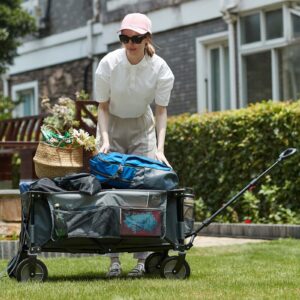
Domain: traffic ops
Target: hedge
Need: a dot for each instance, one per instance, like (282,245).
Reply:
(218,153)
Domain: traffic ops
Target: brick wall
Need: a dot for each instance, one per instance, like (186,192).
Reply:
(60,80)
(69,14)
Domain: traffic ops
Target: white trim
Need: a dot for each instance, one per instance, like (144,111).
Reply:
(263,27)
(232,65)
(275,75)
(250,49)
(250,5)
(222,78)
(21,87)
(59,39)
(202,68)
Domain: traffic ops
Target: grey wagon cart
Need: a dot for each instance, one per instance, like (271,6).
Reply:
(112,221)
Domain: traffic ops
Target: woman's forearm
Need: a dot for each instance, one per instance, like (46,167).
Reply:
(161,124)
(103,118)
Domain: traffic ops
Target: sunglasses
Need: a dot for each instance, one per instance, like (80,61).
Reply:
(135,39)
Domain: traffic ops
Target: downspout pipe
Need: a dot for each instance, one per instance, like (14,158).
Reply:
(5,79)
(229,16)
(90,44)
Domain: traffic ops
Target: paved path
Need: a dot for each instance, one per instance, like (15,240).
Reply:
(208,241)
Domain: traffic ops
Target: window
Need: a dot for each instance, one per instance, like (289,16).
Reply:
(250,29)
(274,24)
(28,94)
(261,26)
(213,72)
(258,75)
(290,72)
(296,25)
(218,79)
(262,36)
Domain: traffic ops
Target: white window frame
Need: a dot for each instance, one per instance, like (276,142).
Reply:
(264,45)
(17,88)
(203,44)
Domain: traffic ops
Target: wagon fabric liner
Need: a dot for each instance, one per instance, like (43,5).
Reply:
(112,220)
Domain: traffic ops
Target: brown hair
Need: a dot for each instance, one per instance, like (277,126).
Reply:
(149,47)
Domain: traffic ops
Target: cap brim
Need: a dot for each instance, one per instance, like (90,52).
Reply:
(138,30)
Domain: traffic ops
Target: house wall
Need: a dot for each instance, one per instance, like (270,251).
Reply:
(177,47)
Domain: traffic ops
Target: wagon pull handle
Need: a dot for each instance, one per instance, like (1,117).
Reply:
(288,152)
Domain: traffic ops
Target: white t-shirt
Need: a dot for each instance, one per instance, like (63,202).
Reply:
(131,88)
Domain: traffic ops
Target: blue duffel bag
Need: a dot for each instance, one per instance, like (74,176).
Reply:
(132,172)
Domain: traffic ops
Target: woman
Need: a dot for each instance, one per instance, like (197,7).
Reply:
(127,82)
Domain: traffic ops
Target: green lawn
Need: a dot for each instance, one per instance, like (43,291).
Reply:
(269,270)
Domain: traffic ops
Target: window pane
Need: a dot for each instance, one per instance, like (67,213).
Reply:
(274,24)
(296,25)
(258,77)
(27,98)
(290,72)
(250,29)
(215,79)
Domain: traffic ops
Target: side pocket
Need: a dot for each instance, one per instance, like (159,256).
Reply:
(142,222)
(94,223)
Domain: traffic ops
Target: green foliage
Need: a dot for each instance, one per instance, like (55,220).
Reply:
(6,107)
(219,153)
(62,114)
(15,23)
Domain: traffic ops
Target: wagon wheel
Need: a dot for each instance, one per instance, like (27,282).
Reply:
(31,269)
(168,265)
(13,263)
(153,263)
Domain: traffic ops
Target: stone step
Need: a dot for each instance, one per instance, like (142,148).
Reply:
(255,231)
(9,229)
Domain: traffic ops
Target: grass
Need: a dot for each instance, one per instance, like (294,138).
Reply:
(268,270)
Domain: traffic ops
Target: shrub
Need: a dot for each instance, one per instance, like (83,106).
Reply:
(217,154)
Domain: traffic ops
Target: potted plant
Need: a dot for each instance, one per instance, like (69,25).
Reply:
(61,151)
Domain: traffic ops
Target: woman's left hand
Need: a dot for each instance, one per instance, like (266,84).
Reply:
(161,157)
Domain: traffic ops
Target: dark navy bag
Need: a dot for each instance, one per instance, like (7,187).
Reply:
(132,172)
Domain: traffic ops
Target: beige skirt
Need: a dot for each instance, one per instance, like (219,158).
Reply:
(131,135)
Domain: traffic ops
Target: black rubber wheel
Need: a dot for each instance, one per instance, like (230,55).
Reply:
(24,270)
(168,265)
(153,263)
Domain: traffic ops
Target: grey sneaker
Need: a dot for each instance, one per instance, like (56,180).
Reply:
(114,271)
(137,271)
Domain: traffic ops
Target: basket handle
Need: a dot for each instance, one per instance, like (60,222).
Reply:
(52,128)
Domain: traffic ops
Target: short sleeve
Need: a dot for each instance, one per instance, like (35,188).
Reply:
(102,81)
(164,85)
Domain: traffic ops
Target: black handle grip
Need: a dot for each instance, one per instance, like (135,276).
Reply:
(288,152)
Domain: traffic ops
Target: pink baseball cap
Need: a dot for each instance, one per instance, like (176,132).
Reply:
(137,22)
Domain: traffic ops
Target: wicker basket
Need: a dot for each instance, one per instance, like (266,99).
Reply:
(51,161)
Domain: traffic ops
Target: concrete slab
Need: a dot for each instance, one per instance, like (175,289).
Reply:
(208,241)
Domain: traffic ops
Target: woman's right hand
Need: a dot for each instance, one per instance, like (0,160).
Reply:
(105,147)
